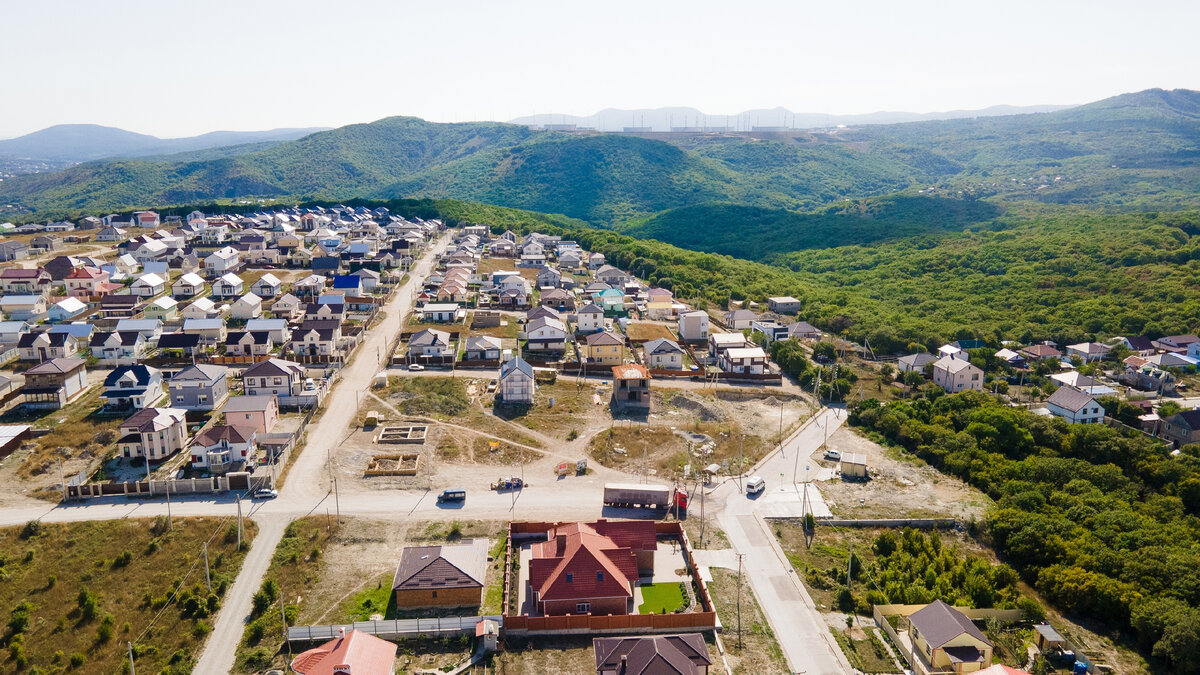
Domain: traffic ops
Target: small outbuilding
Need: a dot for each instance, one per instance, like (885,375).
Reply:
(854,465)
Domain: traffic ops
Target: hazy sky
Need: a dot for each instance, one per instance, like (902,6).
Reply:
(176,67)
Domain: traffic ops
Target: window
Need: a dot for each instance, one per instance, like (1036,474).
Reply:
(570,577)
(583,607)
(599,576)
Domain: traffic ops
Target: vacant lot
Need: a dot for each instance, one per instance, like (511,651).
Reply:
(573,409)
(758,651)
(328,574)
(74,594)
(645,332)
(665,451)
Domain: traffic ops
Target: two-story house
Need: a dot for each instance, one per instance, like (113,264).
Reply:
(605,348)
(955,375)
(517,383)
(132,387)
(664,354)
(747,360)
(45,346)
(153,433)
(546,334)
(199,387)
(118,348)
(55,383)
(1075,406)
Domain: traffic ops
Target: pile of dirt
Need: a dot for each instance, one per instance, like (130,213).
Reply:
(706,411)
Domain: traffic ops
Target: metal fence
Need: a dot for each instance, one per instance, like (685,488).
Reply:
(395,628)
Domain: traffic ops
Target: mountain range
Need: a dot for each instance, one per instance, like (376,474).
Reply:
(1101,154)
(75,143)
(665,119)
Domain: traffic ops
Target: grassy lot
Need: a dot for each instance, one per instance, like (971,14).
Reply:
(76,593)
(509,330)
(662,598)
(759,651)
(295,565)
(442,398)
(571,407)
(76,433)
(645,332)
(412,325)
(867,653)
(489,265)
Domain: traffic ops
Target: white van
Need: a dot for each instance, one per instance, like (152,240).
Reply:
(755,485)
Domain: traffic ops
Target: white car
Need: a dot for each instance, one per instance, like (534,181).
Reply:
(415,367)
(835,455)
(755,485)
(265,493)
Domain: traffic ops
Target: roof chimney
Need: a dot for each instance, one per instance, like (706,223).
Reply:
(341,669)
(560,542)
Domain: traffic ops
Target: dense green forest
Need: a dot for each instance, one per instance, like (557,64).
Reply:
(1104,524)
(1132,151)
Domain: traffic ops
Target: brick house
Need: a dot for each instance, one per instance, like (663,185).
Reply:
(590,567)
(449,575)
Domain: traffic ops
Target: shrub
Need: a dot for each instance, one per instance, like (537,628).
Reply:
(104,632)
(123,559)
(201,629)
(260,603)
(254,634)
(89,604)
(77,660)
(32,529)
(572,435)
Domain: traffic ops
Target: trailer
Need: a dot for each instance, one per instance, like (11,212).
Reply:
(644,496)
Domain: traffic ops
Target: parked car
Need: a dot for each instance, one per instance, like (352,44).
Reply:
(265,493)
(835,455)
(755,485)
(415,367)
(452,495)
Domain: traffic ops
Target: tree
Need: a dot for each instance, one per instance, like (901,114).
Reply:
(825,351)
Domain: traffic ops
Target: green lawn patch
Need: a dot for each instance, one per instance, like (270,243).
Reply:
(664,598)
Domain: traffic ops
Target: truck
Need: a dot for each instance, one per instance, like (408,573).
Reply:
(645,496)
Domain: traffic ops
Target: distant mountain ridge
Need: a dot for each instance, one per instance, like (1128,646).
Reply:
(664,119)
(87,142)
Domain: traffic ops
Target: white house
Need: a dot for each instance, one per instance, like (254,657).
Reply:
(155,433)
(228,286)
(148,286)
(1075,406)
(516,381)
(589,318)
(200,308)
(278,328)
(65,310)
(664,354)
(444,312)
(247,307)
(222,260)
(188,285)
(429,343)
(267,286)
(957,374)
(1088,351)
(546,334)
(693,326)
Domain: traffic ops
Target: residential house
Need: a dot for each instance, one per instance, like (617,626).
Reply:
(1140,345)
(611,276)
(605,348)
(222,261)
(148,286)
(317,337)
(267,286)
(533,254)
(200,308)
(683,654)
(664,354)
(118,348)
(589,318)
(548,277)
(324,310)
(744,360)
(440,312)
(86,282)
(55,383)
(350,652)
(590,568)
(249,343)
(1011,358)
(220,448)
(45,346)
(132,387)
(482,348)
(558,299)
(11,331)
(611,300)
(739,319)
(595,261)
(13,250)
(1182,428)
(25,281)
(146,251)
(274,376)
(199,387)
(1041,352)
(278,328)
(945,641)
(1088,385)
(46,242)
(546,334)
(429,343)
(31,308)
(111,234)
(211,331)
(287,306)
(66,310)
(1075,406)
(631,388)
(1173,360)
(772,330)
(247,307)
(260,413)
(517,382)
(784,304)
(228,285)
(1141,374)
(693,326)
(539,312)
(153,433)
(146,219)
(1176,343)
(1088,351)
(955,375)
(149,328)
(188,285)
(180,345)
(719,343)
(803,330)
(446,575)
(162,309)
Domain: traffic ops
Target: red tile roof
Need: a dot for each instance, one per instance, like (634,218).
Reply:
(86,273)
(363,652)
(577,561)
(630,371)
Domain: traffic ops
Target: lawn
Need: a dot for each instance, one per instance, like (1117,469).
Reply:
(74,594)
(662,598)
(866,654)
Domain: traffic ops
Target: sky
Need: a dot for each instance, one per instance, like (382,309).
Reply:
(178,68)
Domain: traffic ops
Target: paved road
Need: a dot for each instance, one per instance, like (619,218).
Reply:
(799,627)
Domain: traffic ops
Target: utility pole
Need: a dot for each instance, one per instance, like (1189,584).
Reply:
(337,502)
(739,598)
(63,479)
(149,483)
(170,522)
(132,671)
(741,459)
(782,453)
(207,576)
(239,523)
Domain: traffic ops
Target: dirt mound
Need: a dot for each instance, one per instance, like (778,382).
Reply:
(708,412)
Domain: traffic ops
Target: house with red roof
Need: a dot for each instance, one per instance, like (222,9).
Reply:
(592,568)
(352,653)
